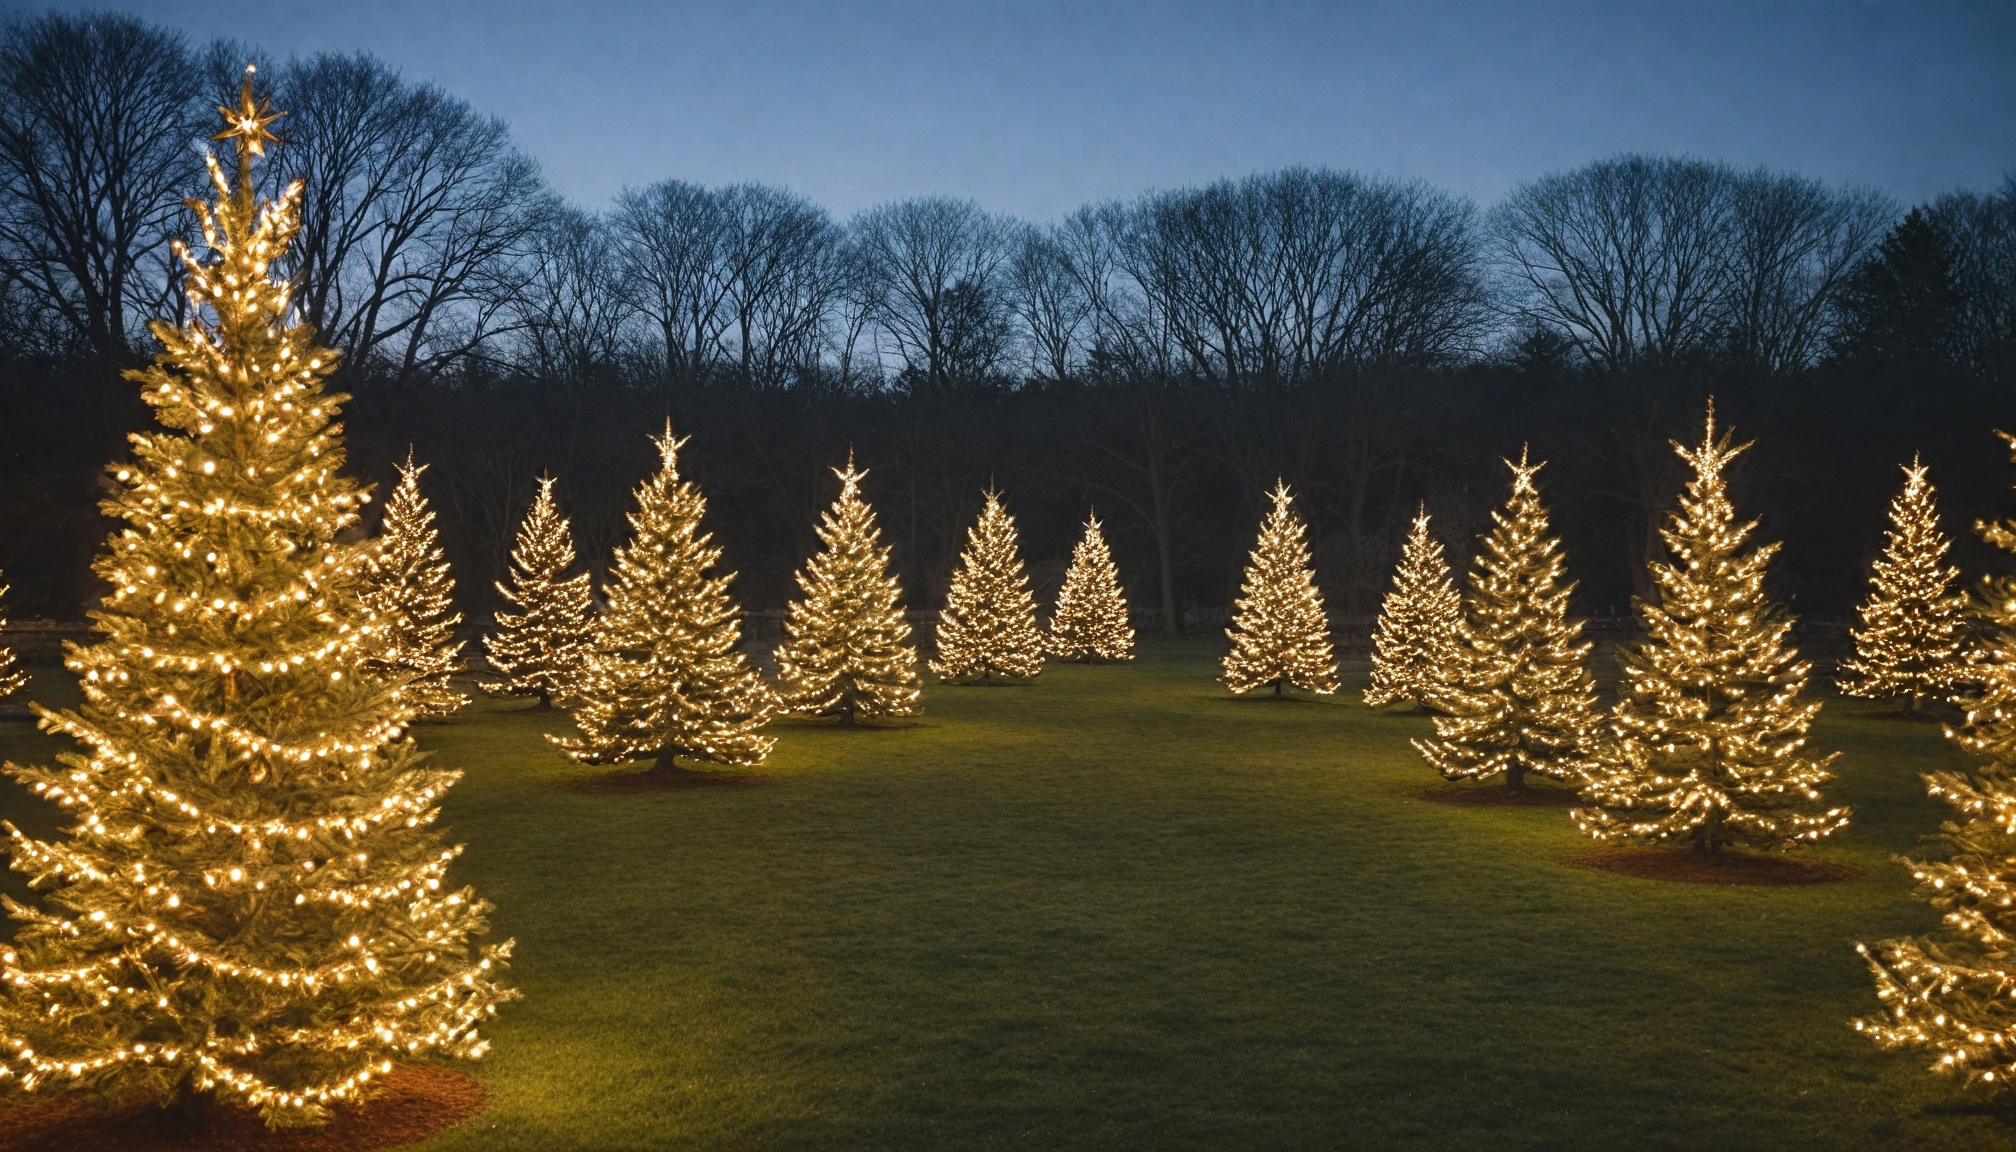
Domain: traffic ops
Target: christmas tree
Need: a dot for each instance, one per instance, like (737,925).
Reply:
(849,652)
(1090,623)
(1914,632)
(1951,992)
(12,677)
(540,648)
(1420,621)
(665,677)
(1280,634)
(412,595)
(988,628)
(1519,698)
(1711,734)
(250,904)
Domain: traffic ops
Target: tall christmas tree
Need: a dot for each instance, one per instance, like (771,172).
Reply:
(1420,622)
(849,652)
(1519,698)
(12,677)
(1711,734)
(412,594)
(987,630)
(250,903)
(666,677)
(539,649)
(1280,634)
(1914,631)
(1951,992)
(1090,623)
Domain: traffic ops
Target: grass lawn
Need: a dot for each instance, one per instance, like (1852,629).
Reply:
(1120,908)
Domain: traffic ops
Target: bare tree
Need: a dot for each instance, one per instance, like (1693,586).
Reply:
(1048,301)
(98,122)
(780,269)
(935,268)
(671,237)
(1982,231)
(1792,245)
(570,313)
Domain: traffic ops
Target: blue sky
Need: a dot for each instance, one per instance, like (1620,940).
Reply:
(1036,108)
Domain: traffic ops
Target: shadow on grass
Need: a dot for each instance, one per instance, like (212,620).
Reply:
(413,1104)
(623,781)
(1499,796)
(814,724)
(2003,1110)
(1737,869)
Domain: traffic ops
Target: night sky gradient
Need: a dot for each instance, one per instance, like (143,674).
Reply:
(1034,109)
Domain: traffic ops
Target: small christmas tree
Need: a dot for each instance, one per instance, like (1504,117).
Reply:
(1519,696)
(412,594)
(539,649)
(1914,632)
(849,652)
(1711,734)
(1951,992)
(1280,634)
(1090,623)
(251,904)
(1420,621)
(13,678)
(666,677)
(988,628)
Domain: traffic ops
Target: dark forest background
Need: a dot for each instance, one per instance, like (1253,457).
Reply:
(1375,341)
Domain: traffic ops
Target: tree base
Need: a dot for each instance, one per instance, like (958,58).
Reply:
(658,778)
(1730,866)
(411,1104)
(1503,796)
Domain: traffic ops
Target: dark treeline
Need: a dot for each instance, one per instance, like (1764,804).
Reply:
(1374,341)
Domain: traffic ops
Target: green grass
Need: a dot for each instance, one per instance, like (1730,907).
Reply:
(1118,908)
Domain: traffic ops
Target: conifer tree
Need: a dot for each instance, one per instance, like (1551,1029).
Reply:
(1914,631)
(250,904)
(987,630)
(666,677)
(1519,698)
(539,649)
(1280,634)
(1711,733)
(1090,623)
(13,678)
(1951,991)
(412,594)
(1420,621)
(848,653)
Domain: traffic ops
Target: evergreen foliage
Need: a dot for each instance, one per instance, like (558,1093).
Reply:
(1414,643)
(539,650)
(1280,634)
(410,591)
(1090,623)
(13,678)
(666,677)
(987,630)
(1913,638)
(1711,733)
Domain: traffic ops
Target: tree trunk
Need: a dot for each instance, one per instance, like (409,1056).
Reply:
(1279,688)
(666,760)
(1515,776)
(193,1115)
(1911,703)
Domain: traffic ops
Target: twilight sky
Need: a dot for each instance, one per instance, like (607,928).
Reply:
(1035,108)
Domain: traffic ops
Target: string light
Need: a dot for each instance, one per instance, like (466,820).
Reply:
(540,648)
(1090,623)
(666,676)
(1518,697)
(1711,733)
(411,600)
(12,677)
(848,652)
(1280,633)
(1420,621)
(1954,991)
(1914,631)
(987,629)
(250,898)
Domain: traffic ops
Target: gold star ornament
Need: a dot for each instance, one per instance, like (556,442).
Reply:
(247,122)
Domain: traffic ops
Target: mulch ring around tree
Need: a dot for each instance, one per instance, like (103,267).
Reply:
(1497,795)
(623,781)
(412,1104)
(1739,869)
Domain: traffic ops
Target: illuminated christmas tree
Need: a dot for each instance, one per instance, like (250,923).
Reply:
(249,904)
(1090,623)
(540,648)
(1280,634)
(665,677)
(849,652)
(1914,631)
(1420,622)
(13,678)
(987,630)
(1519,698)
(412,594)
(1952,991)
(1710,737)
